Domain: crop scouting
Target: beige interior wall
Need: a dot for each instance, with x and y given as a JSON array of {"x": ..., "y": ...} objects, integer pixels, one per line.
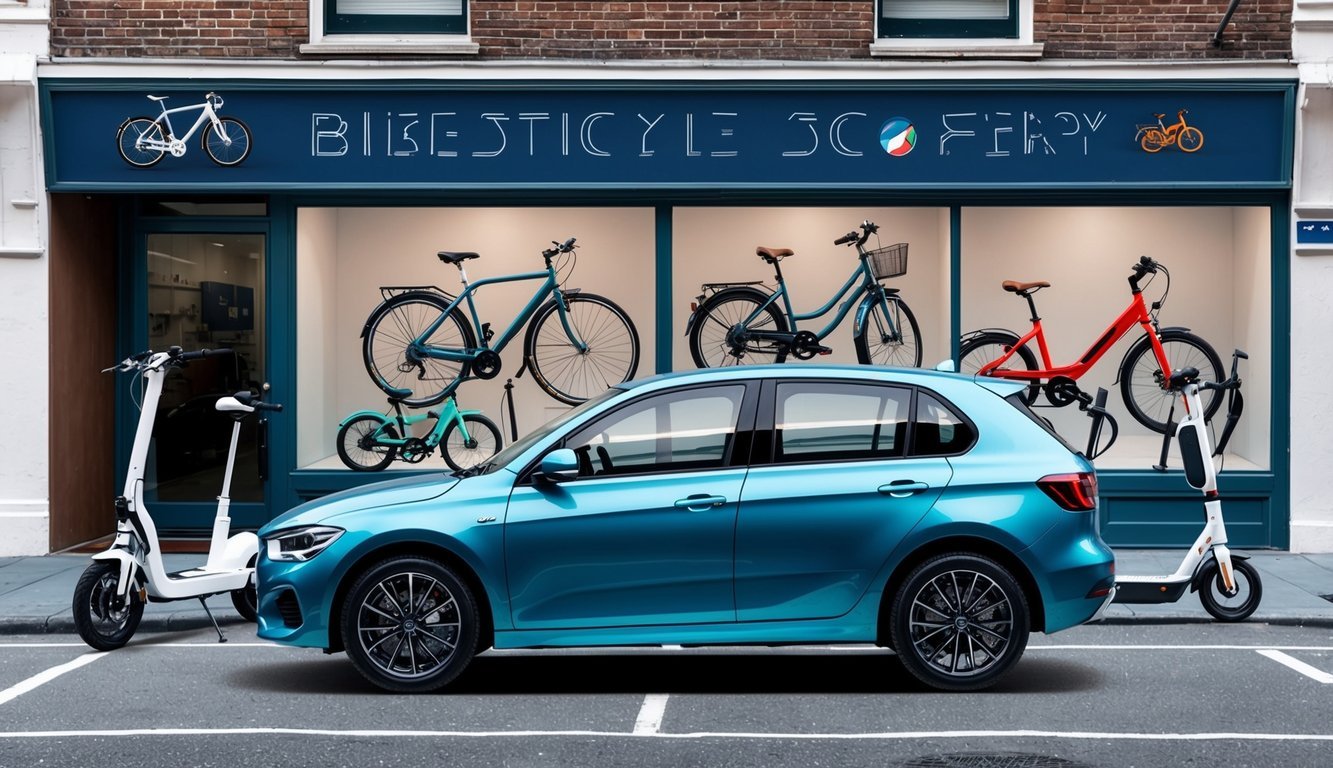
[
  {"x": 711, "y": 245},
  {"x": 1086, "y": 254},
  {"x": 1252, "y": 328},
  {"x": 317, "y": 340},
  {"x": 397, "y": 246}
]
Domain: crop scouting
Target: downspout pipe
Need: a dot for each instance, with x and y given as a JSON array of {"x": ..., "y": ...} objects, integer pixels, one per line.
[{"x": 1226, "y": 19}]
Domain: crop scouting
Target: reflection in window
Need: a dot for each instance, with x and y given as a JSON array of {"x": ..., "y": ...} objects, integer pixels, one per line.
[
  {"x": 939, "y": 431},
  {"x": 679, "y": 430},
  {"x": 840, "y": 422}
]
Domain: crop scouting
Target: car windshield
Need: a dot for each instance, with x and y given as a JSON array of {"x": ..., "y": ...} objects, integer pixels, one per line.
[{"x": 537, "y": 435}]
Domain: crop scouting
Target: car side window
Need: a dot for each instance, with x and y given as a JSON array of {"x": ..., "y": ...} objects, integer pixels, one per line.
[
  {"x": 835, "y": 421},
  {"x": 689, "y": 429},
  {"x": 938, "y": 430}
]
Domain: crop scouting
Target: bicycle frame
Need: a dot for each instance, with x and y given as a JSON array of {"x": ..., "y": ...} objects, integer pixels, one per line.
[
  {"x": 1135, "y": 314},
  {"x": 206, "y": 113},
  {"x": 447, "y": 413},
  {"x": 860, "y": 274},
  {"x": 549, "y": 286}
]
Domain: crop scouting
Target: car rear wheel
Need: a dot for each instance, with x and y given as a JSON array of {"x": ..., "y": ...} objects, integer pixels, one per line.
[
  {"x": 959, "y": 622},
  {"x": 409, "y": 625}
]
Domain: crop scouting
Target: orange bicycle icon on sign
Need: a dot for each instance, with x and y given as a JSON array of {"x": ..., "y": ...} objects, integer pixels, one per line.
[{"x": 1153, "y": 137}]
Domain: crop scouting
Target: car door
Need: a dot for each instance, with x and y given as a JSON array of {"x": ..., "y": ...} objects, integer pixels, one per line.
[
  {"x": 840, "y": 489},
  {"x": 645, "y": 533}
]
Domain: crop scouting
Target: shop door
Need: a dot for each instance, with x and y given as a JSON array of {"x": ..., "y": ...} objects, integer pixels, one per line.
[{"x": 206, "y": 290}]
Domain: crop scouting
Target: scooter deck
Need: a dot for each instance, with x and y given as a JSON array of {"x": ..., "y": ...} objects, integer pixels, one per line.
[{"x": 1149, "y": 589}]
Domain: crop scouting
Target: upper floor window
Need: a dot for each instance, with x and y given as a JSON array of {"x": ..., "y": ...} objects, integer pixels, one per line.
[
  {"x": 948, "y": 18},
  {"x": 395, "y": 16}
]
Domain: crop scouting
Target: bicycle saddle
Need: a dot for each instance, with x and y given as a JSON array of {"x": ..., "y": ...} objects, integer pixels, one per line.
[
  {"x": 455, "y": 257},
  {"x": 1013, "y": 286},
  {"x": 157, "y": 98},
  {"x": 773, "y": 254}
]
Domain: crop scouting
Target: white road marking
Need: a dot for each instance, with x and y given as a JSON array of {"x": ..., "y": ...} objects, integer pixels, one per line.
[
  {"x": 147, "y": 646},
  {"x": 877, "y": 736},
  {"x": 649, "y": 721},
  {"x": 718, "y": 649},
  {"x": 42, "y": 678},
  {"x": 1318, "y": 675}
]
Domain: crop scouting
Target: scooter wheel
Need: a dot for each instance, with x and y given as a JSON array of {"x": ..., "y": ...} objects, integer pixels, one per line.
[
  {"x": 246, "y": 599},
  {"x": 1238, "y": 605},
  {"x": 102, "y": 620}
]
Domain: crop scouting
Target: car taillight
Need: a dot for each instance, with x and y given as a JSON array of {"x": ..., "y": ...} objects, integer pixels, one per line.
[{"x": 1074, "y": 492}]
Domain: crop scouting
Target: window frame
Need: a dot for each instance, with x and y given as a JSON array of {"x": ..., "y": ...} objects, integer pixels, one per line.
[
  {"x": 384, "y": 24},
  {"x": 1010, "y": 28}
]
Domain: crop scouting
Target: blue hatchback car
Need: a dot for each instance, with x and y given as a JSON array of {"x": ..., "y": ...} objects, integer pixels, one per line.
[{"x": 924, "y": 511}]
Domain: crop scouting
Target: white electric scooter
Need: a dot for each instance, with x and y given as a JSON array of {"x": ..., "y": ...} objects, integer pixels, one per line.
[
  {"x": 1228, "y": 586},
  {"x": 110, "y": 596}
]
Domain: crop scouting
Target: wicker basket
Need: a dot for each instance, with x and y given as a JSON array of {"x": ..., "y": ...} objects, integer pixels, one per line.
[{"x": 889, "y": 261}]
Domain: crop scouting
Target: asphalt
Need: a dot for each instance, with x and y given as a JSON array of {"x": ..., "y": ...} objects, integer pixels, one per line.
[{"x": 36, "y": 594}]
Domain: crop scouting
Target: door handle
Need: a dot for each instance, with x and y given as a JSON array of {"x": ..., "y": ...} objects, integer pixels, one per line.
[
  {"x": 901, "y": 489},
  {"x": 697, "y": 502}
]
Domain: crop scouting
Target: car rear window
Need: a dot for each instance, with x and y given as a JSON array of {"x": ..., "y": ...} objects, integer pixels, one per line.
[{"x": 1016, "y": 400}]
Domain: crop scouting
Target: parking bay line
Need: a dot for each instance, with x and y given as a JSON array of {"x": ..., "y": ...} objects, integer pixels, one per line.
[
  {"x": 1314, "y": 673},
  {"x": 42, "y": 678},
  {"x": 651, "y": 713}
]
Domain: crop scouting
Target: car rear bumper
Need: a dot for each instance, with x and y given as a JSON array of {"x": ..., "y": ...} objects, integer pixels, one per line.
[{"x": 1076, "y": 576}]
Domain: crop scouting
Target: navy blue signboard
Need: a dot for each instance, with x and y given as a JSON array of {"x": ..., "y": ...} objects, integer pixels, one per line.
[
  {"x": 395, "y": 136},
  {"x": 1318, "y": 231}
]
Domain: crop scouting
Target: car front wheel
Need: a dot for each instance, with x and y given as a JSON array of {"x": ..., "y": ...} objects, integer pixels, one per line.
[
  {"x": 959, "y": 622},
  {"x": 409, "y": 625}
]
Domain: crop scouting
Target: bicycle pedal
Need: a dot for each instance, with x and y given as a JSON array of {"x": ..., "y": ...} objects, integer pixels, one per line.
[{"x": 823, "y": 351}]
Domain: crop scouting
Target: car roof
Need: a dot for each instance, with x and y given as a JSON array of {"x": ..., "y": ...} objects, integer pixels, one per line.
[{"x": 922, "y": 376}]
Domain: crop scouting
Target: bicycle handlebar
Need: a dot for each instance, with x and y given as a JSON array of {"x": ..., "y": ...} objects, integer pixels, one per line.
[
  {"x": 564, "y": 247},
  {"x": 1179, "y": 379},
  {"x": 1143, "y": 267},
  {"x": 868, "y": 228}
]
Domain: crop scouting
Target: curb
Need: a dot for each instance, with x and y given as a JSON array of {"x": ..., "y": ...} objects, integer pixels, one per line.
[{"x": 52, "y": 625}]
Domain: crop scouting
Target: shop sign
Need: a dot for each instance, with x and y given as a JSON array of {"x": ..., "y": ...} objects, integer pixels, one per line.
[
  {"x": 321, "y": 136},
  {"x": 1314, "y": 231}
]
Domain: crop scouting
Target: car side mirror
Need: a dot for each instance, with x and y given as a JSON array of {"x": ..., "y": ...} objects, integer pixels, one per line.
[{"x": 559, "y": 465}]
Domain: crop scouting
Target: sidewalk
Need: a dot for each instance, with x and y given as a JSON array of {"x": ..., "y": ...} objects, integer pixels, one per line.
[{"x": 36, "y": 593}]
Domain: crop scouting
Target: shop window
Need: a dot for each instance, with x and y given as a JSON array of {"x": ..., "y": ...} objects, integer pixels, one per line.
[
  {"x": 948, "y": 18},
  {"x": 395, "y": 16}
]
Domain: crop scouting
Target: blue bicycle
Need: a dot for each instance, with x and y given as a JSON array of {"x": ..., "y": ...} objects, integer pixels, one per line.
[
  {"x": 744, "y": 324},
  {"x": 418, "y": 346}
]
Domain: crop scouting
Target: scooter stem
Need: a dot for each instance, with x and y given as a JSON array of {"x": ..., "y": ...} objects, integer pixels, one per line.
[{"x": 222, "y": 521}]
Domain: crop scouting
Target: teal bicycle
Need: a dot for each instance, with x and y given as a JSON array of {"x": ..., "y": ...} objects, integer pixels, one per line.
[
  {"x": 745, "y": 324},
  {"x": 418, "y": 345},
  {"x": 369, "y": 441}
]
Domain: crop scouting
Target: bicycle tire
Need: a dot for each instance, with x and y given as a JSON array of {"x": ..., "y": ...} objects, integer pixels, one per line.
[
  {"x": 384, "y": 347},
  {"x": 904, "y": 352},
  {"x": 356, "y": 449},
  {"x": 132, "y": 131},
  {"x": 571, "y": 376},
  {"x": 485, "y": 437},
  {"x": 231, "y": 152},
  {"x": 713, "y": 321},
  {"x": 1186, "y": 142},
  {"x": 1152, "y": 141},
  {"x": 975, "y": 352},
  {"x": 1141, "y": 378}
]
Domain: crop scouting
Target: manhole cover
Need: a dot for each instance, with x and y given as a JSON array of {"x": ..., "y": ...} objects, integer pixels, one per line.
[{"x": 991, "y": 760}]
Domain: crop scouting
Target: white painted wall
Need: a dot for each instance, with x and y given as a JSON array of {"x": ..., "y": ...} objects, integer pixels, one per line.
[
  {"x": 371, "y": 247},
  {"x": 24, "y": 335}
]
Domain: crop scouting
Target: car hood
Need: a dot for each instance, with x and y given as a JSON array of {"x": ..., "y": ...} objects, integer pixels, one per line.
[{"x": 384, "y": 494}]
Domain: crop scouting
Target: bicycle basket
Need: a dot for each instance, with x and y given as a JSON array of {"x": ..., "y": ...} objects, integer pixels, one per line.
[{"x": 889, "y": 261}]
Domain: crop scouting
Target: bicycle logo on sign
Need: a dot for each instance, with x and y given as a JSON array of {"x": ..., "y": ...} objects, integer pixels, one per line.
[
  {"x": 142, "y": 141},
  {"x": 1153, "y": 136}
]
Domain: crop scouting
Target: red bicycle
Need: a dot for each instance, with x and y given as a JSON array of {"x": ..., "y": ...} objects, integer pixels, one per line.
[{"x": 1144, "y": 372}]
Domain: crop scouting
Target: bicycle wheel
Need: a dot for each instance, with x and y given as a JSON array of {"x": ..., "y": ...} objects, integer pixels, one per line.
[
  {"x": 358, "y": 447},
  {"x": 231, "y": 149},
  {"x": 975, "y": 352},
  {"x": 388, "y": 337},
  {"x": 1152, "y": 141},
  {"x": 713, "y": 338},
  {"x": 892, "y": 339},
  {"x": 131, "y": 141},
  {"x": 571, "y": 376},
  {"x": 465, "y": 454},
  {"x": 1190, "y": 139},
  {"x": 1142, "y": 380}
]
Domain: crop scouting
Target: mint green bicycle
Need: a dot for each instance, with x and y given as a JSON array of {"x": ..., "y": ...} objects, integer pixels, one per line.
[{"x": 369, "y": 441}]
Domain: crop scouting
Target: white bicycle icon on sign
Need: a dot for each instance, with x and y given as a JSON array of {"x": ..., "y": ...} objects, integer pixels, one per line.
[{"x": 143, "y": 141}]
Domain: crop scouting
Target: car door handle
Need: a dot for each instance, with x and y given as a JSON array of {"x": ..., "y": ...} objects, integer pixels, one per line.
[
  {"x": 698, "y": 502},
  {"x": 901, "y": 489}
]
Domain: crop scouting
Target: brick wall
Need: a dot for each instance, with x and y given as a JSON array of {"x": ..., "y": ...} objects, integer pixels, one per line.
[{"x": 810, "y": 30}]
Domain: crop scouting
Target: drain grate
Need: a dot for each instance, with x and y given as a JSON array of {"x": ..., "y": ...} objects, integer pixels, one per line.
[{"x": 991, "y": 760}]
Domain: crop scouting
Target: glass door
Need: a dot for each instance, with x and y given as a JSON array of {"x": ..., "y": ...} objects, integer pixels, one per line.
[{"x": 206, "y": 290}]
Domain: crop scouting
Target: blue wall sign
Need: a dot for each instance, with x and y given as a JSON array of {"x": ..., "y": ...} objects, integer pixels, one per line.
[
  {"x": 1314, "y": 231},
  {"x": 394, "y": 136}
]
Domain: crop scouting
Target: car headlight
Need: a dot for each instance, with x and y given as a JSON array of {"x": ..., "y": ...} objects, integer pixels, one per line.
[{"x": 301, "y": 544}]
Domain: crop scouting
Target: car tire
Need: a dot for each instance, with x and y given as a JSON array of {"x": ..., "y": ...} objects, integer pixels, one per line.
[
  {"x": 409, "y": 625},
  {"x": 959, "y": 622}
]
